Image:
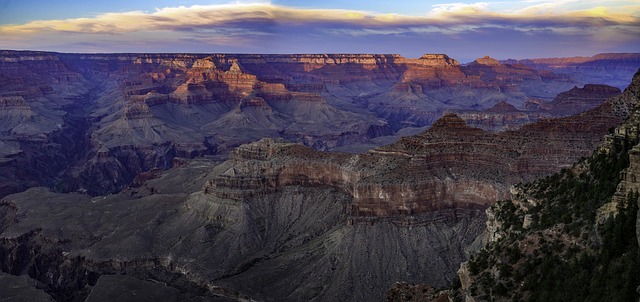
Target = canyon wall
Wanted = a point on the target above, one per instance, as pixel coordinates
(104, 118)
(283, 221)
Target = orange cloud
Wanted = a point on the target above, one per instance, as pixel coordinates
(254, 27)
(230, 14)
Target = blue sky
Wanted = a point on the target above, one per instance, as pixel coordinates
(462, 29)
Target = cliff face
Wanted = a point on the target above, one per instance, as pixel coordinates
(504, 116)
(449, 165)
(578, 100)
(38, 135)
(243, 240)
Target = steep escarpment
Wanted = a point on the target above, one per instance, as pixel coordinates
(449, 165)
(290, 244)
(42, 102)
(503, 116)
(424, 93)
(277, 221)
(578, 100)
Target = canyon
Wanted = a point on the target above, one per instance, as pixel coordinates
(92, 122)
(220, 185)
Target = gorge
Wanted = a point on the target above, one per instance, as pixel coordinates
(206, 177)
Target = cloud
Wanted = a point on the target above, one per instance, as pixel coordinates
(259, 14)
(264, 27)
(459, 8)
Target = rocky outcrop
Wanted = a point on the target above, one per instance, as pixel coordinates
(39, 137)
(503, 116)
(303, 224)
(290, 244)
(578, 100)
(486, 60)
(450, 165)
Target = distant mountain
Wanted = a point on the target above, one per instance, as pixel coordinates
(614, 69)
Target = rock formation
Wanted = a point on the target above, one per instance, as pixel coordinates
(283, 221)
(578, 100)
(274, 220)
(105, 118)
(504, 116)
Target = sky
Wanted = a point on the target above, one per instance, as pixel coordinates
(464, 30)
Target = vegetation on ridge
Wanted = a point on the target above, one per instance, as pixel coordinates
(565, 251)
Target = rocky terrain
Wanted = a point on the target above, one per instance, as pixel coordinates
(504, 116)
(285, 222)
(570, 236)
(92, 122)
(161, 163)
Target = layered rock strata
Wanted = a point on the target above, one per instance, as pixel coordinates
(291, 244)
(282, 221)
(504, 116)
(109, 117)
